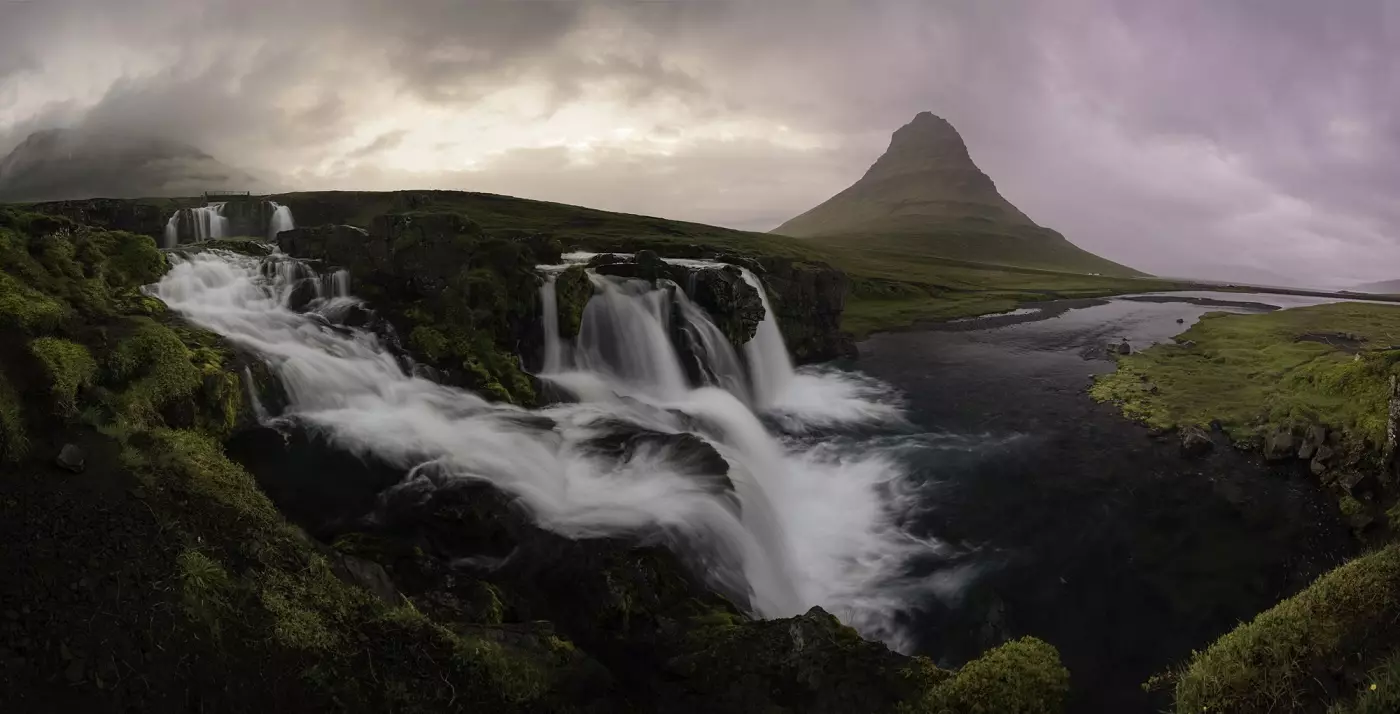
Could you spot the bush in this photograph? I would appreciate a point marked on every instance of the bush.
(1020, 677)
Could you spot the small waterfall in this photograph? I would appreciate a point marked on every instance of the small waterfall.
(769, 363)
(553, 343)
(281, 220)
(811, 520)
(714, 357)
(172, 231)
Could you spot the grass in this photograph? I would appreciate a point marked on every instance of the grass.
(1023, 676)
(1336, 630)
(1253, 374)
(69, 366)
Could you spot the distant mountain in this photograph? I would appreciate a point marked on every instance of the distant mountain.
(925, 196)
(59, 164)
(1384, 287)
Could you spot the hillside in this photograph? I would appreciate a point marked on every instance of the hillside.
(1384, 287)
(58, 164)
(925, 197)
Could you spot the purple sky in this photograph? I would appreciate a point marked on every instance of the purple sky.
(1239, 138)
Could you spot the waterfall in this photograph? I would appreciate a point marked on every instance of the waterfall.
(769, 363)
(281, 220)
(172, 231)
(810, 521)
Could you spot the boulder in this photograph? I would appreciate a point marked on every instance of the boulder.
(70, 458)
(365, 573)
(1314, 438)
(687, 453)
(1195, 441)
(735, 306)
(1280, 445)
(1124, 348)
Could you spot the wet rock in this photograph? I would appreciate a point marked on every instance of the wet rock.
(1195, 441)
(735, 306)
(1314, 438)
(70, 458)
(1321, 457)
(1124, 348)
(1180, 321)
(1280, 445)
(687, 453)
(1356, 482)
(301, 295)
(808, 299)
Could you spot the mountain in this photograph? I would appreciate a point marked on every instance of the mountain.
(1384, 287)
(59, 164)
(925, 197)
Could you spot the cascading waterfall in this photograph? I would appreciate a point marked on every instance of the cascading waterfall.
(172, 231)
(767, 353)
(807, 523)
(281, 220)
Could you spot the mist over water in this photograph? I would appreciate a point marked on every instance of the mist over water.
(816, 512)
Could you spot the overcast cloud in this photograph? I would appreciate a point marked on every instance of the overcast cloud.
(1175, 136)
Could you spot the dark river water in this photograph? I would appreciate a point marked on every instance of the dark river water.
(1069, 523)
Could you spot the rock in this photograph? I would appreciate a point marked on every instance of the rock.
(1317, 467)
(808, 300)
(1188, 344)
(687, 453)
(1355, 482)
(75, 671)
(365, 573)
(1180, 321)
(1313, 438)
(70, 458)
(1280, 445)
(1195, 441)
(1124, 348)
(735, 306)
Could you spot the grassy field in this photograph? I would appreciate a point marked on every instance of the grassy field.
(1328, 365)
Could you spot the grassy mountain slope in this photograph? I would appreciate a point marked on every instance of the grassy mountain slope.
(925, 197)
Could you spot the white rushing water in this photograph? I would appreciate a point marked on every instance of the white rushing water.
(808, 523)
(281, 220)
(172, 231)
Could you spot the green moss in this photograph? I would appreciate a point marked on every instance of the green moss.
(26, 309)
(572, 290)
(14, 441)
(1254, 374)
(428, 342)
(1344, 621)
(1020, 677)
(69, 367)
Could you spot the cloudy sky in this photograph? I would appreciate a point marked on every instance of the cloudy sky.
(1260, 136)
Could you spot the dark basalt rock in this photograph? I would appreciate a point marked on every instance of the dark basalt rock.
(686, 453)
(1280, 445)
(808, 299)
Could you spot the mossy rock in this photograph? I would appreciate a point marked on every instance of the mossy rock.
(572, 291)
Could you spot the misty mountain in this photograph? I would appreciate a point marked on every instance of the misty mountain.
(925, 194)
(58, 164)
(1385, 287)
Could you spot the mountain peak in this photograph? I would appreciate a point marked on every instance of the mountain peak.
(925, 190)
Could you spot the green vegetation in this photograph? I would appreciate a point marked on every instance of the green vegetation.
(1257, 373)
(1020, 677)
(1335, 631)
(69, 367)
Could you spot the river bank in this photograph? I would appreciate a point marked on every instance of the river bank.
(1077, 525)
